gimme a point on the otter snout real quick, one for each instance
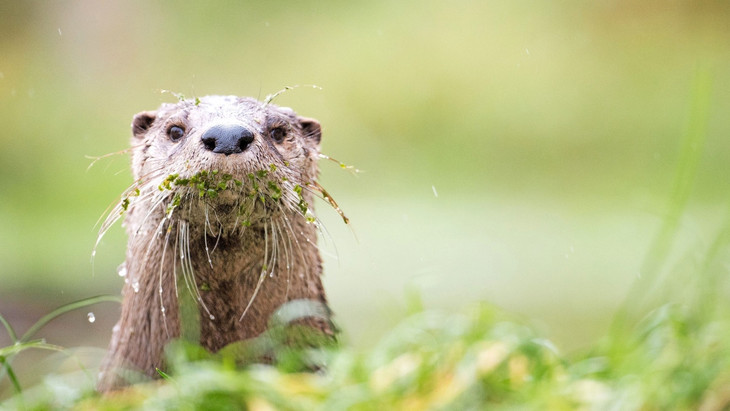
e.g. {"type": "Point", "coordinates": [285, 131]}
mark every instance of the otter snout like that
{"type": "Point", "coordinates": [227, 139]}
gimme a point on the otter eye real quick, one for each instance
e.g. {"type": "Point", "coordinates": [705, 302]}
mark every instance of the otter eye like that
{"type": "Point", "coordinates": [175, 133]}
{"type": "Point", "coordinates": [278, 134]}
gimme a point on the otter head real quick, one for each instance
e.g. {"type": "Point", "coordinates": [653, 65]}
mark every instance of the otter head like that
{"type": "Point", "coordinates": [225, 154]}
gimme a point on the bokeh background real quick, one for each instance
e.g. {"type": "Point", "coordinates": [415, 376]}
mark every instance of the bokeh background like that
{"type": "Point", "coordinates": [515, 152]}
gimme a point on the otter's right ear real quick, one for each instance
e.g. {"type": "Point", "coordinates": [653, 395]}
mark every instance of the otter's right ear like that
{"type": "Point", "coordinates": [142, 122]}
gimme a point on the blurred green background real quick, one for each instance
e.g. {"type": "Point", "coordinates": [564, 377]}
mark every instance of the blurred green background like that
{"type": "Point", "coordinates": [515, 152]}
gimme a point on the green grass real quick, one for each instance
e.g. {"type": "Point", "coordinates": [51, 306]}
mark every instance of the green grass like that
{"type": "Point", "coordinates": [675, 358]}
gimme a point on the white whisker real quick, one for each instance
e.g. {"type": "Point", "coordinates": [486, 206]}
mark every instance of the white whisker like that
{"type": "Point", "coordinates": [261, 277]}
{"type": "Point", "coordinates": [160, 289]}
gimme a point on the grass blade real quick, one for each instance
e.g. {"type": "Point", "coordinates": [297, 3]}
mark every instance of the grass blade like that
{"type": "Point", "coordinates": [640, 296]}
{"type": "Point", "coordinates": [10, 330]}
{"type": "Point", "coordinates": [163, 374]}
{"type": "Point", "coordinates": [11, 374]}
{"type": "Point", "coordinates": [18, 347]}
{"type": "Point", "coordinates": [64, 309]}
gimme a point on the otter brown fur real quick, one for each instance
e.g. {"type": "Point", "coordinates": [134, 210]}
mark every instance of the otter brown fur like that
{"type": "Point", "coordinates": [221, 204]}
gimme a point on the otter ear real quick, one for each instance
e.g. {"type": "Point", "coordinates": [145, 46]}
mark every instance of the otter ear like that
{"type": "Point", "coordinates": [142, 122]}
{"type": "Point", "coordinates": [311, 129]}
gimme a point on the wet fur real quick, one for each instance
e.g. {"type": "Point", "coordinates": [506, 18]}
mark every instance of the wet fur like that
{"type": "Point", "coordinates": [241, 254]}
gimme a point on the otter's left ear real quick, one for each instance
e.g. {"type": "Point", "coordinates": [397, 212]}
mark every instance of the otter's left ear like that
{"type": "Point", "coordinates": [311, 130]}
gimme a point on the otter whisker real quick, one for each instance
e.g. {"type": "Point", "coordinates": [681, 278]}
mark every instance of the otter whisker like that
{"type": "Point", "coordinates": [113, 207]}
{"type": "Point", "coordinates": [105, 227]}
{"type": "Point", "coordinates": [218, 238]}
{"type": "Point", "coordinates": [205, 235]}
{"type": "Point", "coordinates": [234, 227]}
{"type": "Point", "coordinates": [186, 261]}
{"type": "Point", "coordinates": [118, 208]}
{"type": "Point", "coordinates": [192, 275]}
{"type": "Point", "coordinates": [116, 153]}
{"type": "Point", "coordinates": [248, 214]}
{"type": "Point", "coordinates": [286, 259]}
{"type": "Point", "coordinates": [162, 267]}
{"type": "Point", "coordinates": [318, 224]}
{"type": "Point", "coordinates": [152, 238]}
{"type": "Point", "coordinates": [294, 235]}
{"type": "Point", "coordinates": [174, 260]}
{"type": "Point", "coordinates": [208, 226]}
{"type": "Point", "coordinates": [285, 239]}
{"type": "Point", "coordinates": [111, 217]}
{"type": "Point", "coordinates": [183, 266]}
{"type": "Point", "coordinates": [274, 248]}
{"type": "Point", "coordinates": [156, 203]}
{"type": "Point", "coordinates": [215, 215]}
{"type": "Point", "coordinates": [261, 276]}
{"type": "Point", "coordinates": [240, 199]}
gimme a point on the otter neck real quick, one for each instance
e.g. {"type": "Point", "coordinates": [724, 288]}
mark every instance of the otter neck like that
{"type": "Point", "coordinates": [236, 278]}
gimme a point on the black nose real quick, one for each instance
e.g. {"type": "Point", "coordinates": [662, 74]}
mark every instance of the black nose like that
{"type": "Point", "coordinates": [227, 139]}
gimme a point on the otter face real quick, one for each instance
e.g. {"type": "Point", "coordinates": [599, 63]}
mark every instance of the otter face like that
{"type": "Point", "coordinates": [219, 165]}
{"type": "Point", "coordinates": [226, 133]}
{"type": "Point", "coordinates": [224, 155]}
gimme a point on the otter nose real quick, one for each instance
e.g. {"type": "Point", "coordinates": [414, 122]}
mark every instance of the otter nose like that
{"type": "Point", "coordinates": [227, 139]}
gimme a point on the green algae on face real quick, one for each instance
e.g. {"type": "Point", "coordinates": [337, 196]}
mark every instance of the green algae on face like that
{"type": "Point", "coordinates": [208, 183]}
{"type": "Point", "coordinates": [174, 203]}
{"type": "Point", "coordinates": [126, 200]}
{"type": "Point", "coordinates": [263, 184]}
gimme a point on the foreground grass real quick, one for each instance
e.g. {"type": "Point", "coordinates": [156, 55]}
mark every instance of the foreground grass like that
{"type": "Point", "coordinates": [433, 360]}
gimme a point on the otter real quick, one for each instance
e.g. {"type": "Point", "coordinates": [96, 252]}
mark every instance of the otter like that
{"type": "Point", "coordinates": [220, 208]}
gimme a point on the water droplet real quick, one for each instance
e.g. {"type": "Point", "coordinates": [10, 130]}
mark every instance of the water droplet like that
{"type": "Point", "coordinates": [93, 253]}
{"type": "Point", "coordinates": [212, 317]}
{"type": "Point", "coordinates": [271, 274]}
{"type": "Point", "coordinates": [91, 317]}
{"type": "Point", "coordinates": [162, 309]}
{"type": "Point", "coordinates": [122, 269]}
{"type": "Point", "coordinates": [135, 286]}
